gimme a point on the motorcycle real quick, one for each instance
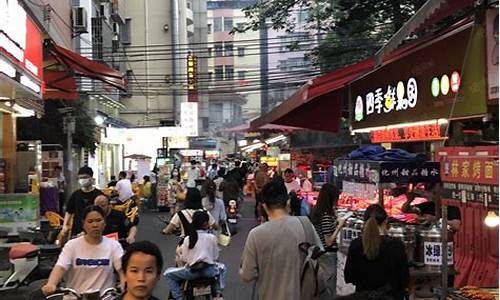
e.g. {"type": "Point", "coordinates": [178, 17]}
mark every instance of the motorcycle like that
{"type": "Point", "coordinates": [27, 263]}
{"type": "Point", "coordinates": [200, 288]}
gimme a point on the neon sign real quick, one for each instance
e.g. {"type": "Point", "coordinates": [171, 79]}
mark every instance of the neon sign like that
{"type": "Point", "coordinates": [407, 134]}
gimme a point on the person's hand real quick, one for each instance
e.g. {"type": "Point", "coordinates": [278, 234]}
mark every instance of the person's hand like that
{"type": "Point", "coordinates": [341, 222]}
{"type": "Point", "coordinates": [49, 289]}
{"type": "Point", "coordinates": [164, 231]}
{"type": "Point", "coordinates": [130, 240]}
{"type": "Point", "coordinates": [65, 229]}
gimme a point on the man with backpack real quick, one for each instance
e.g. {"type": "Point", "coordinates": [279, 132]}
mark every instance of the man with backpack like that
{"type": "Point", "coordinates": [272, 257]}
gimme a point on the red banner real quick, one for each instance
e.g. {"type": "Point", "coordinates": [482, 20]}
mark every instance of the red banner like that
{"type": "Point", "coordinates": [478, 165]}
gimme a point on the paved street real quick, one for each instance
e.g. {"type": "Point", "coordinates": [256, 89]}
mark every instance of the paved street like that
{"type": "Point", "coordinates": [149, 229]}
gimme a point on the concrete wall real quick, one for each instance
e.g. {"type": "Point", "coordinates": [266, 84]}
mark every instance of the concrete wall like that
{"type": "Point", "coordinates": [153, 72]}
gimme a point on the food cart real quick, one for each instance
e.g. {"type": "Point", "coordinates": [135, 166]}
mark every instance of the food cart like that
{"type": "Point", "coordinates": [366, 182]}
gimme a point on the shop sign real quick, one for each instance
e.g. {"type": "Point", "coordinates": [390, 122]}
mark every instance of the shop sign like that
{"type": "Point", "coordinates": [270, 161]}
{"type": "Point", "coordinates": [433, 255]}
{"type": "Point", "coordinates": [480, 170]}
{"type": "Point", "coordinates": [408, 134]}
{"type": "Point", "coordinates": [189, 118]}
{"type": "Point", "coordinates": [471, 192]}
{"type": "Point", "coordinates": [178, 142]}
{"type": "Point", "coordinates": [492, 52]}
{"type": "Point", "coordinates": [20, 39]}
{"type": "Point", "coordinates": [212, 153]}
{"type": "Point", "coordinates": [425, 84]}
{"type": "Point", "coordinates": [18, 212]}
{"type": "Point", "coordinates": [191, 152]}
{"type": "Point", "coordinates": [372, 171]}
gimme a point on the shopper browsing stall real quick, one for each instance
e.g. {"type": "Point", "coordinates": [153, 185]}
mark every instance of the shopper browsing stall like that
{"type": "Point", "coordinates": [375, 261]}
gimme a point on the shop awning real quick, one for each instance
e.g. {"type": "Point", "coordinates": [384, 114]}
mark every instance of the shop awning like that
{"type": "Point", "coordinates": [59, 77]}
{"type": "Point", "coordinates": [266, 127]}
{"type": "Point", "coordinates": [316, 105]}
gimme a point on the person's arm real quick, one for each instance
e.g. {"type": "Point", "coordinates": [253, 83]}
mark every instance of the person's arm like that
{"type": "Point", "coordinates": [117, 263]}
{"type": "Point", "coordinates": [132, 234]}
{"type": "Point", "coordinates": [54, 279]}
{"type": "Point", "coordinates": [249, 270]}
{"type": "Point", "coordinates": [330, 240]}
{"type": "Point", "coordinates": [407, 208]}
{"type": "Point", "coordinates": [67, 218]}
{"type": "Point", "coordinates": [169, 229]}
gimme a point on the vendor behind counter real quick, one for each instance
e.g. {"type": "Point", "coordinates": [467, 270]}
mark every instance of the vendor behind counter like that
{"type": "Point", "coordinates": [430, 212]}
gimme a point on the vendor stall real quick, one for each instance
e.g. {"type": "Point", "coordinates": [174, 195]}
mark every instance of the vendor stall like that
{"type": "Point", "coordinates": [366, 182]}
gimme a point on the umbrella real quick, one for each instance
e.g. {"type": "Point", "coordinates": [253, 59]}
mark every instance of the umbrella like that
{"type": "Point", "coordinates": [138, 156]}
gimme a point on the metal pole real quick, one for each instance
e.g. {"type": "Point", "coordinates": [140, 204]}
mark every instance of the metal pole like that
{"type": "Point", "coordinates": [69, 128]}
{"type": "Point", "coordinates": [444, 251]}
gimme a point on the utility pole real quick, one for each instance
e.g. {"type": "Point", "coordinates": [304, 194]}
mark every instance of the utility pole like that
{"type": "Point", "coordinates": [69, 129]}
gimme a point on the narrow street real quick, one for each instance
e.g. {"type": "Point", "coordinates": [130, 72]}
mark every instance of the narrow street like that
{"type": "Point", "coordinates": [149, 229]}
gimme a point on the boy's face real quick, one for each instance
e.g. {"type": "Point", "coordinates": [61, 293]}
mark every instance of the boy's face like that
{"type": "Point", "coordinates": [141, 275]}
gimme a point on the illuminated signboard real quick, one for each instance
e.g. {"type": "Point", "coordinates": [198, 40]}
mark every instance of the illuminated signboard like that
{"type": "Point", "coordinates": [20, 44]}
{"type": "Point", "coordinates": [408, 134]}
{"type": "Point", "coordinates": [425, 83]}
{"type": "Point", "coordinates": [191, 152]}
{"type": "Point", "coordinates": [192, 78]}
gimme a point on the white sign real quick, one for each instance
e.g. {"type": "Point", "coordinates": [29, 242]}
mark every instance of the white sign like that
{"type": "Point", "coordinates": [191, 152]}
{"type": "Point", "coordinates": [432, 253]}
{"type": "Point", "coordinates": [492, 52]}
{"type": "Point", "coordinates": [13, 26]}
{"type": "Point", "coordinates": [178, 142]}
{"type": "Point", "coordinates": [387, 99]}
{"type": "Point", "coordinates": [189, 118]}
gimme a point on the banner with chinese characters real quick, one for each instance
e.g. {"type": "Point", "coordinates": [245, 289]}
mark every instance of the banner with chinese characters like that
{"type": "Point", "coordinates": [430, 132]}
{"type": "Point", "coordinates": [426, 83]}
{"type": "Point", "coordinates": [470, 174]}
{"type": "Point", "coordinates": [386, 171]}
{"type": "Point", "coordinates": [433, 256]}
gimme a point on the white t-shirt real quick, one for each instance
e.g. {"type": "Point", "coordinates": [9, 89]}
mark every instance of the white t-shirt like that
{"type": "Point", "coordinates": [192, 175]}
{"type": "Point", "coordinates": [89, 268]}
{"type": "Point", "coordinates": [292, 186]}
{"type": "Point", "coordinates": [205, 250]}
{"type": "Point", "coordinates": [217, 182]}
{"type": "Point", "coordinates": [124, 188]}
{"type": "Point", "coordinates": [188, 213]}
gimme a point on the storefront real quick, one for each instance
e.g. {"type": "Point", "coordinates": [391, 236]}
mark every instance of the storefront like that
{"type": "Point", "coordinates": [20, 96]}
{"type": "Point", "coordinates": [412, 102]}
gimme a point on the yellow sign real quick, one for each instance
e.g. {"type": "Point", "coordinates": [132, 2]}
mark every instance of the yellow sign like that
{"type": "Point", "coordinates": [270, 161]}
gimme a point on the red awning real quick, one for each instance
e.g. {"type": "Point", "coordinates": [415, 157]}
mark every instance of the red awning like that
{"type": "Point", "coordinates": [316, 105]}
{"type": "Point", "coordinates": [60, 83]}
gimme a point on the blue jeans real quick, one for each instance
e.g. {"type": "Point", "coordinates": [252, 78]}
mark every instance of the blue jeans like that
{"type": "Point", "coordinates": [175, 277]}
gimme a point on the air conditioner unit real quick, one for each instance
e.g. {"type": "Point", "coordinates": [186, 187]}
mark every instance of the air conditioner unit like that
{"type": "Point", "coordinates": [79, 20]}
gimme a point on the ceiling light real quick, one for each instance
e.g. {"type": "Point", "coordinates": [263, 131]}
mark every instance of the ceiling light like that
{"type": "Point", "coordinates": [99, 120]}
{"type": "Point", "coordinates": [491, 220]}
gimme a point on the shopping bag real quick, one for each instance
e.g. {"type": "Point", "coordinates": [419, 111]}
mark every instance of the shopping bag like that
{"type": "Point", "coordinates": [224, 238]}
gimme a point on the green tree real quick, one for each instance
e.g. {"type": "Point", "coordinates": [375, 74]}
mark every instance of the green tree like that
{"type": "Point", "coordinates": [349, 30]}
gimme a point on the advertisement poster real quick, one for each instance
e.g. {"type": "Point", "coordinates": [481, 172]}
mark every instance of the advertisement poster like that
{"type": "Point", "coordinates": [18, 212]}
{"type": "Point", "coordinates": [492, 52]}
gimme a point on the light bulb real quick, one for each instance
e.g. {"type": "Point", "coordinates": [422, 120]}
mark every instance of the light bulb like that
{"type": "Point", "coordinates": [491, 220]}
{"type": "Point", "coordinates": [99, 120]}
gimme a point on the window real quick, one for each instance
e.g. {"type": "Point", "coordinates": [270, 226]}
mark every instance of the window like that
{"type": "Point", "coordinates": [293, 64]}
{"type": "Point", "coordinates": [218, 24]}
{"type": "Point", "coordinates": [228, 48]}
{"type": "Point", "coordinates": [219, 73]}
{"type": "Point", "coordinates": [209, 28]}
{"type": "Point", "coordinates": [241, 75]}
{"type": "Point", "coordinates": [189, 5]}
{"type": "Point", "coordinates": [241, 51]}
{"type": "Point", "coordinates": [210, 76]}
{"type": "Point", "coordinates": [228, 23]}
{"type": "Point", "coordinates": [229, 72]}
{"type": "Point", "coordinates": [298, 39]}
{"type": "Point", "coordinates": [218, 49]}
{"type": "Point", "coordinates": [216, 112]}
{"type": "Point", "coordinates": [302, 16]}
{"type": "Point", "coordinates": [209, 51]}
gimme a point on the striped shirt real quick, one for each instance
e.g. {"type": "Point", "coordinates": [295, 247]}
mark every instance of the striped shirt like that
{"type": "Point", "coordinates": [326, 227]}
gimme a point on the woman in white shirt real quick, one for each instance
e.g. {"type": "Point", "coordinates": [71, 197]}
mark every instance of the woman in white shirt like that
{"type": "Point", "coordinates": [89, 261]}
{"type": "Point", "coordinates": [213, 204]}
{"type": "Point", "coordinates": [198, 246]}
